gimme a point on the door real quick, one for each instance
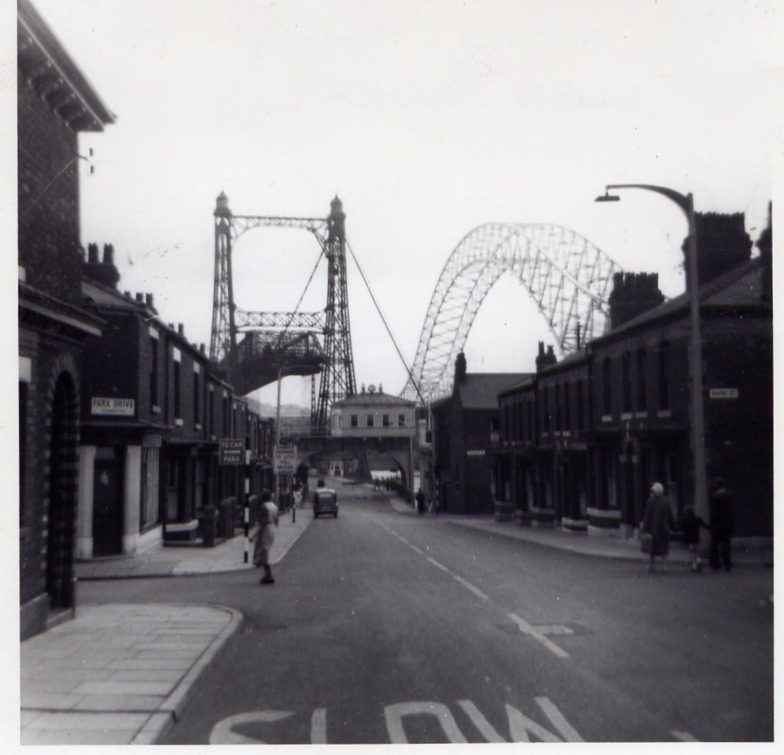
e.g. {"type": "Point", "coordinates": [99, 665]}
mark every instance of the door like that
{"type": "Point", "coordinates": [107, 503]}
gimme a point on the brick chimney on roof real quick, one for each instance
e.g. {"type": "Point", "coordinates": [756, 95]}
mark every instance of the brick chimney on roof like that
{"type": "Point", "coordinates": [104, 272]}
{"type": "Point", "coordinates": [461, 368]}
{"type": "Point", "coordinates": [545, 359]}
{"type": "Point", "coordinates": [633, 294]}
{"type": "Point", "coordinates": [722, 243]}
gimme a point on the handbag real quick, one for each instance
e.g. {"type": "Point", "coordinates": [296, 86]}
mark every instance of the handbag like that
{"type": "Point", "coordinates": [646, 542]}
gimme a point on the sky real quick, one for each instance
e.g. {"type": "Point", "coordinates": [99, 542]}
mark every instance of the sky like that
{"type": "Point", "coordinates": [427, 118]}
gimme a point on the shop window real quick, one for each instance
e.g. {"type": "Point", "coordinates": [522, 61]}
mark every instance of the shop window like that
{"type": "Point", "coordinates": [149, 492]}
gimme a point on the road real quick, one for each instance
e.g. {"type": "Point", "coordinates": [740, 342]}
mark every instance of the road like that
{"type": "Point", "coordinates": [387, 627]}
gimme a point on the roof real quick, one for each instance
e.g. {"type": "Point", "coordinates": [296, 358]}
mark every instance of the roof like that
{"type": "Point", "coordinates": [377, 398]}
{"type": "Point", "coordinates": [742, 286]}
{"type": "Point", "coordinates": [480, 390]}
{"type": "Point", "coordinates": [49, 65]}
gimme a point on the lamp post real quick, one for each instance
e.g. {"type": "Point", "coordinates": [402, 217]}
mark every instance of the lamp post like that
{"type": "Point", "coordinates": [686, 203]}
{"type": "Point", "coordinates": [281, 374]}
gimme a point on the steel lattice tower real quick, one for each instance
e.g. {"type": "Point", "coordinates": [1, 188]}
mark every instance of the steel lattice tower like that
{"type": "Point", "coordinates": [229, 321]}
{"type": "Point", "coordinates": [337, 378]}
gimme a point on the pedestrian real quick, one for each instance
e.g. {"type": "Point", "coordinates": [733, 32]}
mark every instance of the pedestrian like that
{"type": "Point", "coordinates": [297, 496]}
{"type": "Point", "coordinates": [657, 523]}
{"type": "Point", "coordinates": [420, 501]}
{"type": "Point", "coordinates": [264, 536]}
{"type": "Point", "coordinates": [722, 526]}
{"type": "Point", "coordinates": [691, 524]}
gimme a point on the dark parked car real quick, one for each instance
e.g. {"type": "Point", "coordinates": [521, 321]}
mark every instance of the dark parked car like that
{"type": "Point", "coordinates": [325, 501]}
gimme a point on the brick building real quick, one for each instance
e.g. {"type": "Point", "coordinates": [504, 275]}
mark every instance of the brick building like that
{"type": "Point", "coordinates": [55, 103]}
{"type": "Point", "coordinates": [465, 428]}
{"type": "Point", "coordinates": [582, 440]}
{"type": "Point", "coordinates": [153, 412]}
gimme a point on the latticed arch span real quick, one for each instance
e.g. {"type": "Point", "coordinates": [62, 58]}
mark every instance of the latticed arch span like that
{"type": "Point", "coordinates": [566, 276]}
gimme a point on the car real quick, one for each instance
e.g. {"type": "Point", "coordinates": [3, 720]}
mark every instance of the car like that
{"type": "Point", "coordinates": [325, 501]}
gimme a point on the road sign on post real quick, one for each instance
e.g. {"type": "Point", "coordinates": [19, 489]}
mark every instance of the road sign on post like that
{"type": "Point", "coordinates": [231, 452]}
{"type": "Point", "coordinates": [285, 458]}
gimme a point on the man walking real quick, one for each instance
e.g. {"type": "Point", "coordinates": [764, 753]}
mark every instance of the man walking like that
{"type": "Point", "coordinates": [721, 526]}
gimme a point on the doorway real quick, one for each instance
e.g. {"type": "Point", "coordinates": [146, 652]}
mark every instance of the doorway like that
{"type": "Point", "coordinates": [107, 503]}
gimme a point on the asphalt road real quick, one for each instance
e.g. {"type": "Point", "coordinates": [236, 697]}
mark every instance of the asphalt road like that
{"type": "Point", "coordinates": [397, 628]}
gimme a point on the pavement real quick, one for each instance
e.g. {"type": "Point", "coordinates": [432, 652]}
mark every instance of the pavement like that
{"type": "Point", "coordinates": [121, 673]}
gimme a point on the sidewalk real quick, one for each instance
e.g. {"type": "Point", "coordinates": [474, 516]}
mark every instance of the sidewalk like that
{"type": "Point", "coordinates": [120, 674]}
{"type": "Point", "coordinates": [598, 545]}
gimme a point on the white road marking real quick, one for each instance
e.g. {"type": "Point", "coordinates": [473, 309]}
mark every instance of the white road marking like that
{"type": "Point", "coordinates": [223, 732]}
{"type": "Point", "coordinates": [394, 717]}
{"type": "Point", "coordinates": [568, 732]}
{"type": "Point", "coordinates": [526, 628]}
{"type": "Point", "coordinates": [437, 564]}
{"type": "Point", "coordinates": [683, 736]}
{"type": "Point", "coordinates": [318, 727]}
{"type": "Point", "coordinates": [473, 589]}
{"type": "Point", "coordinates": [484, 727]}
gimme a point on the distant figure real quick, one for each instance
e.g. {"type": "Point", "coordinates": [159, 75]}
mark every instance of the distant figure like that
{"type": "Point", "coordinates": [722, 526]}
{"type": "Point", "coordinates": [691, 535]}
{"type": "Point", "coordinates": [420, 501]}
{"type": "Point", "coordinates": [264, 536]}
{"type": "Point", "coordinates": [296, 494]}
{"type": "Point", "coordinates": [657, 523]}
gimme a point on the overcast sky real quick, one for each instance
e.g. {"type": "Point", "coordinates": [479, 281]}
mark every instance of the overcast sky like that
{"type": "Point", "coordinates": [427, 118]}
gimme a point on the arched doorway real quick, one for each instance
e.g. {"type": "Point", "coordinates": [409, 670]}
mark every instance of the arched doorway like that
{"type": "Point", "coordinates": [63, 493]}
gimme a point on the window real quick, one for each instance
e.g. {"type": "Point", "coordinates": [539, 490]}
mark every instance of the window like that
{"type": "Point", "coordinates": [196, 396]}
{"type": "Point", "coordinates": [370, 419]}
{"type": "Point", "coordinates": [626, 365]}
{"type": "Point", "coordinates": [177, 392]}
{"type": "Point", "coordinates": [149, 503]}
{"type": "Point", "coordinates": [401, 420]}
{"type": "Point", "coordinates": [664, 376]}
{"type": "Point", "coordinates": [545, 410]}
{"type": "Point", "coordinates": [558, 415]}
{"type": "Point", "coordinates": [154, 368]}
{"type": "Point", "coordinates": [607, 387]}
{"type": "Point", "coordinates": [385, 420]}
{"type": "Point", "coordinates": [580, 419]}
{"type": "Point", "coordinates": [530, 418]}
{"type": "Point", "coordinates": [25, 375]}
{"type": "Point", "coordinates": [354, 420]}
{"type": "Point", "coordinates": [211, 410]}
{"type": "Point", "coordinates": [226, 429]}
{"type": "Point", "coordinates": [567, 401]}
{"type": "Point", "coordinates": [642, 388]}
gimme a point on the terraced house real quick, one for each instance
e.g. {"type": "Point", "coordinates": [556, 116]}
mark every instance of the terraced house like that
{"type": "Point", "coordinates": [582, 440]}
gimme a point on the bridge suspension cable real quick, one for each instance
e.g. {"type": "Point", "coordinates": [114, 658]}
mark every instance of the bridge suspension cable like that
{"type": "Point", "coordinates": [567, 277]}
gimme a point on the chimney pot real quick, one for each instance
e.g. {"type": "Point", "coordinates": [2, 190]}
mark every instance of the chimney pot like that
{"type": "Point", "coordinates": [108, 254]}
{"type": "Point", "coordinates": [92, 252]}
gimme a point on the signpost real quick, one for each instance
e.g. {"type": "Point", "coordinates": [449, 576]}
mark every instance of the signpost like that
{"type": "Point", "coordinates": [231, 452]}
{"type": "Point", "coordinates": [284, 460]}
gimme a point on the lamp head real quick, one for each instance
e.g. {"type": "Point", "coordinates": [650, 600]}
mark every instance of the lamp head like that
{"type": "Point", "coordinates": [607, 197]}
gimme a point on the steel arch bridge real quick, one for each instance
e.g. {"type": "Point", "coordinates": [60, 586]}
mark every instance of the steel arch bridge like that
{"type": "Point", "coordinates": [567, 277]}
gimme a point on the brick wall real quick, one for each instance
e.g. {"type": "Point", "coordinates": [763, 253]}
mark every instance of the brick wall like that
{"type": "Point", "coordinates": [48, 191]}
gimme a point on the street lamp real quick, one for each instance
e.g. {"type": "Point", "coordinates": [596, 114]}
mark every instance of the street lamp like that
{"type": "Point", "coordinates": [686, 203]}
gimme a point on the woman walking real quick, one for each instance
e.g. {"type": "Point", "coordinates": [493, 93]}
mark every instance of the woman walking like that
{"type": "Point", "coordinates": [657, 523]}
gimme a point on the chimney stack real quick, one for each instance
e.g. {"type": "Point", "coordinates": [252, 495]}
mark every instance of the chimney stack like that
{"type": "Point", "coordinates": [633, 294]}
{"type": "Point", "coordinates": [461, 368]}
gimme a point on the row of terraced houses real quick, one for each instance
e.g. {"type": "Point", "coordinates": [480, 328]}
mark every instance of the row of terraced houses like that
{"type": "Point", "coordinates": [578, 443]}
{"type": "Point", "coordinates": [120, 417]}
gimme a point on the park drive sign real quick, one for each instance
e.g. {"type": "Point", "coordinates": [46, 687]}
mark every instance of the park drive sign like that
{"type": "Point", "coordinates": [113, 407]}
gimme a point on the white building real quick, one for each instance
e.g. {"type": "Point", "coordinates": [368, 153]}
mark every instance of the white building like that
{"type": "Point", "coordinates": [373, 414]}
